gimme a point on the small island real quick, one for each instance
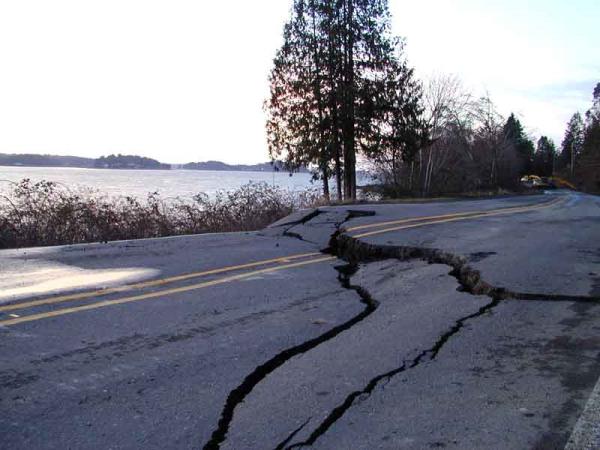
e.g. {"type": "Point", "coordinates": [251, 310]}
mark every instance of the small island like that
{"type": "Point", "coordinates": [276, 166]}
{"type": "Point", "coordinates": [129, 162]}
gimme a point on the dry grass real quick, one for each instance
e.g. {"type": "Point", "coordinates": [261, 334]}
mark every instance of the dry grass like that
{"type": "Point", "coordinates": [46, 213]}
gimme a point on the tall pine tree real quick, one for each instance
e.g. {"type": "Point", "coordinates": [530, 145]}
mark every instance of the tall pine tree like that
{"type": "Point", "coordinates": [515, 135]}
{"type": "Point", "coordinates": [329, 86]}
{"type": "Point", "coordinates": [572, 143]}
{"type": "Point", "coordinates": [589, 166]}
{"type": "Point", "coordinates": [591, 144]}
{"type": "Point", "coordinates": [297, 111]}
{"type": "Point", "coordinates": [545, 154]}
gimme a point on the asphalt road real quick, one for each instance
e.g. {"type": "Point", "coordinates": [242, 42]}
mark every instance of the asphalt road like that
{"type": "Point", "coordinates": [456, 324]}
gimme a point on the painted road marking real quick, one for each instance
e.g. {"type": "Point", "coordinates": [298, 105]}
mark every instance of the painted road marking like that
{"type": "Point", "coordinates": [165, 292]}
{"type": "Point", "coordinates": [443, 216]}
{"type": "Point", "coordinates": [168, 280]}
{"type": "Point", "coordinates": [455, 219]}
{"type": "Point", "coordinates": [151, 283]}
{"type": "Point", "coordinates": [246, 275]}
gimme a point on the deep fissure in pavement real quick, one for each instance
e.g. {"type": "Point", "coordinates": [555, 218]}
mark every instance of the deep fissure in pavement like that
{"type": "Point", "coordinates": [426, 355]}
{"type": "Point", "coordinates": [356, 252]}
{"type": "Point", "coordinates": [238, 395]}
{"type": "Point", "coordinates": [470, 281]}
{"type": "Point", "coordinates": [338, 246]}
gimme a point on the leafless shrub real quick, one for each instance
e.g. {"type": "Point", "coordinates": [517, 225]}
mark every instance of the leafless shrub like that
{"type": "Point", "coordinates": [46, 213]}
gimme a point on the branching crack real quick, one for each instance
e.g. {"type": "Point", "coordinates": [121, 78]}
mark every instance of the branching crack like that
{"type": "Point", "coordinates": [282, 445]}
{"type": "Point", "coordinates": [426, 355]}
{"type": "Point", "coordinates": [355, 252]}
{"type": "Point", "coordinates": [293, 234]}
{"type": "Point", "coordinates": [470, 280]}
{"type": "Point", "coordinates": [351, 214]}
{"type": "Point", "coordinates": [238, 395]}
{"type": "Point", "coordinates": [303, 220]}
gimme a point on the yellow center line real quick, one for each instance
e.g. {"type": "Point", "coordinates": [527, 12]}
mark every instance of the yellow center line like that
{"type": "Point", "coordinates": [455, 218]}
{"type": "Point", "coordinates": [151, 283]}
{"type": "Point", "coordinates": [136, 298]}
{"type": "Point", "coordinates": [443, 216]}
{"type": "Point", "coordinates": [281, 260]}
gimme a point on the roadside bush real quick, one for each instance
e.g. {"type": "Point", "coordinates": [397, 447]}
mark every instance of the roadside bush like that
{"type": "Point", "coordinates": [47, 213]}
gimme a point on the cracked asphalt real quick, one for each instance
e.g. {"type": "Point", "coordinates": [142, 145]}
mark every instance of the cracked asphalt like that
{"type": "Point", "coordinates": [454, 324]}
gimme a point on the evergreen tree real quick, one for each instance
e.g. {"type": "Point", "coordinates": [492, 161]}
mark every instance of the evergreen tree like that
{"type": "Point", "coordinates": [594, 113]}
{"type": "Point", "coordinates": [330, 86]}
{"type": "Point", "coordinates": [589, 167]}
{"type": "Point", "coordinates": [592, 128]}
{"type": "Point", "coordinates": [515, 135]}
{"type": "Point", "coordinates": [368, 57]}
{"type": "Point", "coordinates": [572, 143]}
{"type": "Point", "coordinates": [297, 116]}
{"type": "Point", "coordinates": [543, 161]}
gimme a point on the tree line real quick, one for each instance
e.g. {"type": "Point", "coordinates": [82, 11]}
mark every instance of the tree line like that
{"type": "Point", "coordinates": [341, 90]}
{"type": "Point", "coordinates": [579, 158]}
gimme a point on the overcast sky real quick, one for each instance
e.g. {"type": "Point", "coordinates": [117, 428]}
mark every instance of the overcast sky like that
{"type": "Point", "coordinates": [185, 80]}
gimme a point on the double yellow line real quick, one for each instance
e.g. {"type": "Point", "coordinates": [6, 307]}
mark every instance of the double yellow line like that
{"type": "Point", "coordinates": [404, 224]}
{"type": "Point", "coordinates": [161, 293]}
{"type": "Point", "coordinates": [282, 263]}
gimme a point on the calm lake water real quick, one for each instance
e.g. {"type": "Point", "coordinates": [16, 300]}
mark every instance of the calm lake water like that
{"type": "Point", "coordinates": [138, 183]}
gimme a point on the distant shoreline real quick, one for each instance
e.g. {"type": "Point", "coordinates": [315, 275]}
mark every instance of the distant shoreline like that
{"type": "Point", "coordinates": [131, 162]}
{"type": "Point", "coordinates": [172, 169]}
{"type": "Point", "coordinates": [144, 169]}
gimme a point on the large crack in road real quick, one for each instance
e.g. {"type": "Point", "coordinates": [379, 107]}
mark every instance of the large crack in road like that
{"type": "Point", "coordinates": [426, 355]}
{"type": "Point", "coordinates": [470, 280]}
{"type": "Point", "coordinates": [355, 252]}
{"type": "Point", "coordinates": [238, 395]}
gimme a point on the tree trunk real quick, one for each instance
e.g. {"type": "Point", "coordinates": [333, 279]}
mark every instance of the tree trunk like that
{"type": "Point", "coordinates": [326, 193]}
{"type": "Point", "coordinates": [348, 122]}
{"type": "Point", "coordinates": [429, 172]}
{"type": "Point", "coordinates": [323, 148]}
{"type": "Point", "coordinates": [338, 168]}
{"type": "Point", "coordinates": [334, 98]}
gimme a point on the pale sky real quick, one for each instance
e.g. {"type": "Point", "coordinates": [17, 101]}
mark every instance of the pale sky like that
{"type": "Point", "coordinates": [184, 81]}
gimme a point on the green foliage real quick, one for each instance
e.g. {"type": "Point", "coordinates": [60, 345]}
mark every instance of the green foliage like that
{"type": "Point", "coordinates": [580, 156]}
{"type": "Point", "coordinates": [589, 164]}
{"type": "Point", "coordinates": [515, 135]}
{"type": "Point", "coordinates": [545, 155]}
{"type": "Point", "coordinates": [572, 143]}
{"type": "Point", "coordinates": [338, 83]}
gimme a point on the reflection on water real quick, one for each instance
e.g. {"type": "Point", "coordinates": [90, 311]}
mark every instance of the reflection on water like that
{"type": "Point", "coordinates": [138, 183]}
